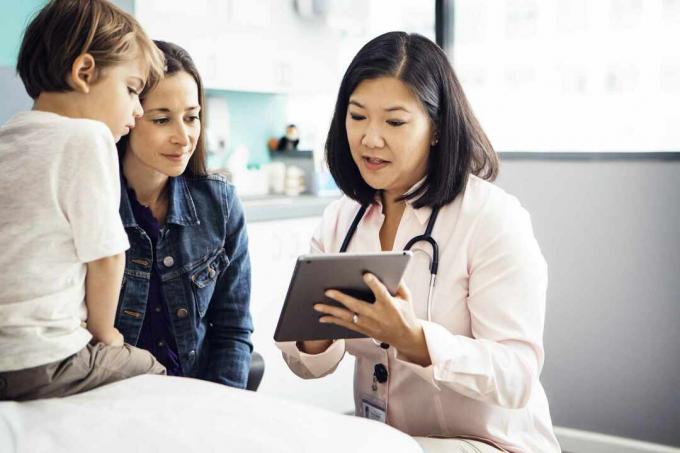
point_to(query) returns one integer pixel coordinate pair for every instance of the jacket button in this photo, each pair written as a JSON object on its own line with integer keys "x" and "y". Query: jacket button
{"x": 182, "y": 313}
{"x": 168, "y": 261}
{"x": 192, "y": 354}
{"x": 211, "y": 272}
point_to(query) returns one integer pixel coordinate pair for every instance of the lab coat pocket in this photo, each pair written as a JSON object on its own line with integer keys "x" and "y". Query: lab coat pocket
{"x": 204, "y": 278}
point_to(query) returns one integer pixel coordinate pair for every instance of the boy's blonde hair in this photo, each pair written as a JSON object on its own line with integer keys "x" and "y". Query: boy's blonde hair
{"x": 65, "y": 29}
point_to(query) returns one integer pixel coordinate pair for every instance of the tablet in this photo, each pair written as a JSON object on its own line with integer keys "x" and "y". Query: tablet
{"x": 314, "y": 274}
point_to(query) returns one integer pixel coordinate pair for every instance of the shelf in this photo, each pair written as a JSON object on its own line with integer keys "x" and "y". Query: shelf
{"x": 277, "y": 207}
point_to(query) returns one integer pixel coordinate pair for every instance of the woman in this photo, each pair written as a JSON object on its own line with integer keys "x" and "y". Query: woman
{"x": 186, "y": 288}
{"x": 463, "y": 361}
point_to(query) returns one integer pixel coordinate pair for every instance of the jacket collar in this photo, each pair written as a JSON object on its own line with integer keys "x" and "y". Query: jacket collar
{"x": 181, "y": 207}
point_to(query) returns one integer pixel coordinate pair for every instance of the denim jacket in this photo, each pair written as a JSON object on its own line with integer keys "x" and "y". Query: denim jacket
{"x": 204, "y": 267}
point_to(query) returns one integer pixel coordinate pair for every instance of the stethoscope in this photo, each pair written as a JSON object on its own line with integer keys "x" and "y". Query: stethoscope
{"x": 380, "y": 373}
{"x": 426, "y": 237}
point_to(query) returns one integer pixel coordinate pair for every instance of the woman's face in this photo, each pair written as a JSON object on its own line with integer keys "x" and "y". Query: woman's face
{"x": 165, "y": 137}
{"x": 389, "y": 134}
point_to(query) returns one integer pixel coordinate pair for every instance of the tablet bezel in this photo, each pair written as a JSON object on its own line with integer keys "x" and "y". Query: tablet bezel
{"x": 298, "y": 321}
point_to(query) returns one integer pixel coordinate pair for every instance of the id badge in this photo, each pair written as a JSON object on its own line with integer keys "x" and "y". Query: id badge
{"x": 373, "y": 410}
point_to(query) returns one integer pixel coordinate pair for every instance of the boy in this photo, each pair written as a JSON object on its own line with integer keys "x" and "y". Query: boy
{"x": 84, "y": 62}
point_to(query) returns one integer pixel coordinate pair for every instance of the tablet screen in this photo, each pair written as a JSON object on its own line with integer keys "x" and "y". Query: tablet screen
{"x": 314, "y": 274}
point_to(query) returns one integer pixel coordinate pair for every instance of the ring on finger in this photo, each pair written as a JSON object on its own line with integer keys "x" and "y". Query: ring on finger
{"x": 355, "y": 318}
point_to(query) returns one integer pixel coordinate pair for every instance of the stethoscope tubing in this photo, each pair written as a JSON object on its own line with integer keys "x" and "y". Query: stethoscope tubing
{"x": 425, "y": 237}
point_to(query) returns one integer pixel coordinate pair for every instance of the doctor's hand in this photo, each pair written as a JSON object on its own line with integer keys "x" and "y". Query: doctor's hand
{"x": 390, "y": 319}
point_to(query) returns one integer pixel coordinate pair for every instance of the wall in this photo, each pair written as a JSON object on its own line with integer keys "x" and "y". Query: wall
{"x": 13, "y": 20}
{"x": 609, "y": 231}
{"x": 14, "y": 17}
{"x": 253, "y": 118}
{"x": 12, "y": 93}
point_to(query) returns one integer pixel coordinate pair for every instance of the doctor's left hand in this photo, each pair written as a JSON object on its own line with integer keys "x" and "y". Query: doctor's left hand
{"x": 390, "y": 319}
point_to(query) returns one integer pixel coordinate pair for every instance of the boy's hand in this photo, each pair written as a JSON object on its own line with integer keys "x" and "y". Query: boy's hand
{"x": 111, "y": 338}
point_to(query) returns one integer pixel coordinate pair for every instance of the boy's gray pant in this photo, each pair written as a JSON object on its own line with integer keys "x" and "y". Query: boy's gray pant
{"x": 91, "y": 367}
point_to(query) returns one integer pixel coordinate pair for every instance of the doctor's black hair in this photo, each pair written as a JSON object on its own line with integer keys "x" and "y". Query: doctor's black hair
{"x": 461, "y": 145}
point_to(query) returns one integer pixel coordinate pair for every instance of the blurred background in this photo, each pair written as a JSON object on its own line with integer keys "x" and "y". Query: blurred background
{"x": 580, "y": 98}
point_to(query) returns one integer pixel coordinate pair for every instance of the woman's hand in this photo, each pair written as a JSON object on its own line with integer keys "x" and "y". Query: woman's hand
{"x": 390, "y": 319}
{"x": 314, "y": 346}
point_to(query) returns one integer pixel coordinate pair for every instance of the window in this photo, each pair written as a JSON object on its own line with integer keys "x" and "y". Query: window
{"x": 571, "y": 75}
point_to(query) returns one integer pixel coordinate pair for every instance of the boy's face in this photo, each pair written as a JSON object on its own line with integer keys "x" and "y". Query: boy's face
{"x": 114, "y": 97}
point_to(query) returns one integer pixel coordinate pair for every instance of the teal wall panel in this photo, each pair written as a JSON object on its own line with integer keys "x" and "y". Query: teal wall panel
{"x": 254, "y": 118}
{"x": 14, "y": 17}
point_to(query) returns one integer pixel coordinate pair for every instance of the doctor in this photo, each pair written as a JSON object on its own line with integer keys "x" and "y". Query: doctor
{"x": 456, "y": 364}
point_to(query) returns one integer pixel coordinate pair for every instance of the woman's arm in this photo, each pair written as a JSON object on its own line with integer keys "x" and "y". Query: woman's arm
{"x": 229, "y": 321}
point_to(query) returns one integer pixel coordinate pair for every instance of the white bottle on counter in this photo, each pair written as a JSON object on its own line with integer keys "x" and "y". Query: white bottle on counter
{"x": 295, "y": 181}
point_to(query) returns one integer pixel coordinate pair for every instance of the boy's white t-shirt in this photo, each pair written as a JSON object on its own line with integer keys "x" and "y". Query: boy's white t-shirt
{"x": 59, "y": 198}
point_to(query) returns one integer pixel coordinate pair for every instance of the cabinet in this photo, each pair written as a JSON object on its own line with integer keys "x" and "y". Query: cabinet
{"x": 274, "y": 247}
{"x": 245, "y": 45}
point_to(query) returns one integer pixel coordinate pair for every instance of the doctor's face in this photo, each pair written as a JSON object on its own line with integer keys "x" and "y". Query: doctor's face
{"x": 166, "y": 136}
{"x": 389, "y": 134}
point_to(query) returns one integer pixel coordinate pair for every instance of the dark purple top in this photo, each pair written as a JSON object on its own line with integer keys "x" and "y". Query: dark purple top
{"x": 156, "y": 335}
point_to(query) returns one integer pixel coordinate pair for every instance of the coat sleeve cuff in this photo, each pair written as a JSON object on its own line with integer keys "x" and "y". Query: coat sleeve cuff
{"x": 436, "y": 337}
{"x": 314, "y": 365}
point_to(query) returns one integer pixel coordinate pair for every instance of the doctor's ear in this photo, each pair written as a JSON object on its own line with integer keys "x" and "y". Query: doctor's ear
{"x": 83, "y": 73}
